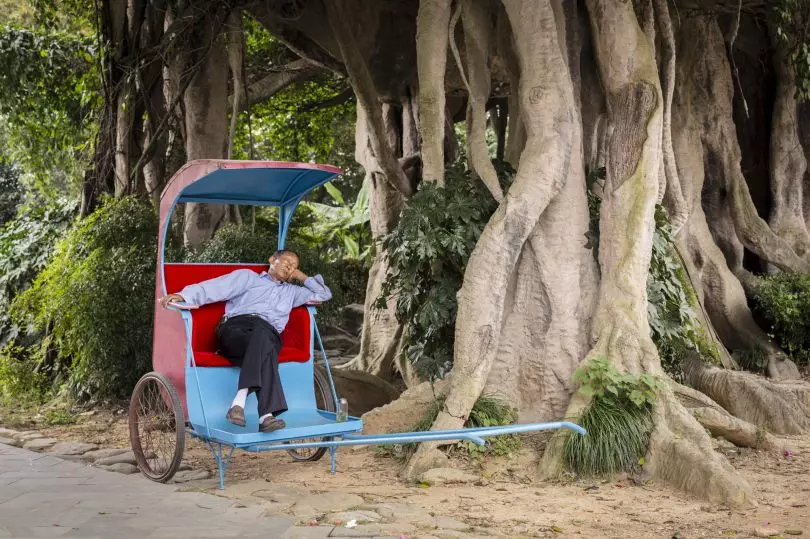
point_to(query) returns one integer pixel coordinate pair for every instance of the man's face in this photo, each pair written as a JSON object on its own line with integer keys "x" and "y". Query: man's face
{"x": 282, "y": 267}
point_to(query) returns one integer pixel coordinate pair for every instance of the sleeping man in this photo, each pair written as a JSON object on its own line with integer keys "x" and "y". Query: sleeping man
{"x": 257, "y": 309}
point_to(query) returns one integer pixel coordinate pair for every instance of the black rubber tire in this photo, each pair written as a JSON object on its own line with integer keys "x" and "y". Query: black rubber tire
{"x": 155, "y": 407}
{"x": 325, "y": 401}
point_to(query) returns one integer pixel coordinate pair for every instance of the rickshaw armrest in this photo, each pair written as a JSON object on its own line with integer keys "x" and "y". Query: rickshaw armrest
{"x": 181, "y": 306}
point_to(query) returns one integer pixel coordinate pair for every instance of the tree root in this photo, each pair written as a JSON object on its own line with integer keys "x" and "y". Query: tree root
{"x": 673, "y": 193}
{"x": 431, "y": 42}
{"x": 516, "y": 130}
{"x": 476, "y": 24}
{"x": 681, "y": 454}
{"x": 788, "y": 161}
{"x": 381, "y": 330}
{"x": 779, "y": 407}
{"x": 719, "y": 422}
{"x": 711, "y": 84}
{"x": 720, "y": 291}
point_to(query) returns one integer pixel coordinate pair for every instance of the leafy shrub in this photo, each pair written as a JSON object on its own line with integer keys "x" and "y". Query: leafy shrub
{"x": 791, "y": 20}
{"x": 48, "y": 92}
{"x": 671, "y": 304}
{"x": 233, "y": 243}
{"x": 782, "y": 302}
{"x": 95, "y": 298}
{"x": 26, "y": 245}
{"x": 618, "y": 420}
{"x": 427, "y": 254}
{"x": 344, "y": 227}
{"x": 10, "y": 191}
{"x": 19, "y": 376}
{"x": 599, "y": 379}
{"x": 671, "y": 300}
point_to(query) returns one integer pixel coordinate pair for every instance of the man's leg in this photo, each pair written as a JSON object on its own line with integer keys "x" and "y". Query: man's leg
{"x": 259, "y": 345}
{"x": 233, "y": 337}
{"x": 271, "y": 393}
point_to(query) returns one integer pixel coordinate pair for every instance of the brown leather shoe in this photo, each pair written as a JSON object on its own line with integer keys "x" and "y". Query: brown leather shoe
{"x": 271, "y": 423}
{"x": 236, "y": 416}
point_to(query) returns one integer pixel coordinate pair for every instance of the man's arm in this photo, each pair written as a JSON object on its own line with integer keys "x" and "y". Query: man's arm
{"x": 218, "y": 289}
{"x": 314, "y": 289}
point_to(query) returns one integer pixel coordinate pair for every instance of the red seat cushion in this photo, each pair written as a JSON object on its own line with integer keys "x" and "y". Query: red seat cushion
{"x": 295, "y": 339}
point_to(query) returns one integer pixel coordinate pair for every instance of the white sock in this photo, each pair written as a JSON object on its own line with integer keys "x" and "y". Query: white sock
{"x": 239, "y": 400}
{"x": 262, "y": 418}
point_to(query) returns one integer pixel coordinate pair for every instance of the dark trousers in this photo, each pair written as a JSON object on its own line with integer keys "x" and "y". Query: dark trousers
{"x": 252, "y": 344}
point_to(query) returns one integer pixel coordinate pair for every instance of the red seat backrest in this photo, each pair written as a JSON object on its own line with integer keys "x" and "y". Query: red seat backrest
{"x": 295, "y": 339}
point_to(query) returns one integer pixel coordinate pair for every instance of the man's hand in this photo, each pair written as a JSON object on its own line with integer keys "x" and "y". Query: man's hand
{"x": 298, "y": 275}
{"x": 171, "y": 298}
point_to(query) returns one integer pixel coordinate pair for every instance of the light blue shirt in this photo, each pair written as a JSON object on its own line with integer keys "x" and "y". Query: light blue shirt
{"x": 248, "y": 292}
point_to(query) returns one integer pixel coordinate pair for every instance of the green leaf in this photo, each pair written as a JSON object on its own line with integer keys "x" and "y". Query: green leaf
{"x": 335, "y": 193}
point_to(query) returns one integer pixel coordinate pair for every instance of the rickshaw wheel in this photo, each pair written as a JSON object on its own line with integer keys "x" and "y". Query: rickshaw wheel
{"x": 324, "y": 401}
{"x": 156, "y": 427}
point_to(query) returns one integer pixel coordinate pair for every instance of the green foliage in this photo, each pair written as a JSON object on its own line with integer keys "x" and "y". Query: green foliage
{"x": 618, "y": 419}
{"x": 311, "y": 120}
{"x": 490, "y": 412}
{"x": 598, "y": 378}
{"x": 782, "y": 302}
{"x": 617, "y": 439}
{"x": 11, "y": 193}
{"x": 293, "y": 126}
{"x": 20, "y": 379}
{"x": 486, "y": 412}
{"x": 26, "y": 244}
{"x": 95, "y": 298}
{"x": 752, "y": 359}
{"x": 58, "y": 416}
{"x": 427, "y": 254}
{"x": 346, "y": 224}
{"x": 671, "y": 300}
{"x": 48, "y": 91}
{"x": 234, "y": 243}
{"x": 792, "y": 23}
{"x": 594, "y": 177}
{"x": 16, "y": 12}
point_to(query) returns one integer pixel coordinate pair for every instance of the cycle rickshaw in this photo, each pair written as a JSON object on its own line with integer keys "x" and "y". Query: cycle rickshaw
{"x": 191, "y": 386}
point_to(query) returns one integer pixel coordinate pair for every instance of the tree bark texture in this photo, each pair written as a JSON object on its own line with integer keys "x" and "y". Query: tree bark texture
{"x": 206, "y": 132}
{"x": 548, "y": 112}
{"x": 431, "y": 53}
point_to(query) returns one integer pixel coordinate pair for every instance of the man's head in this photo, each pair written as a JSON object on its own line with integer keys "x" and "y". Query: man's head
{"x": 283, "y": 265}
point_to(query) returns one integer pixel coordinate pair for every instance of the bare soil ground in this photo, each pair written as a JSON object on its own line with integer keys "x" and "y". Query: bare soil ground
{"x": 508, "y": 500}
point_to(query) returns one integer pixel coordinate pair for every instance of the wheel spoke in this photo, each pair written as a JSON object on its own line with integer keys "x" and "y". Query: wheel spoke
{"x": 157, "y": 435}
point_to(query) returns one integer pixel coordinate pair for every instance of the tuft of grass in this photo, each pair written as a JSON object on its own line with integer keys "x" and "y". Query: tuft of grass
{"x": 617, "y": 439}
{"x": 486, "y": 412}
{"x": 59, "y": 416}
{"x": 752, "y": 359}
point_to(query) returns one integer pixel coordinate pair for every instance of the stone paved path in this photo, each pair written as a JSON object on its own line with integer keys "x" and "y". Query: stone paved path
{"x": 44, "y": 496}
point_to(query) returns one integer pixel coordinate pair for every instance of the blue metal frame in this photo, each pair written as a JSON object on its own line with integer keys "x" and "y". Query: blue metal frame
{"x": 332, "y": 439}
{"x": 333, "y": 434}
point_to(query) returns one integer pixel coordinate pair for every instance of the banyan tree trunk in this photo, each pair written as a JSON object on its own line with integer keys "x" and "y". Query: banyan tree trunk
{"x": 544, "y": 211}
{"x": 680, "y": 451}
{"x": 206, "y": 132}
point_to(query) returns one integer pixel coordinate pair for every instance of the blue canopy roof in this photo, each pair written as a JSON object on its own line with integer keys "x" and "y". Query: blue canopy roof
{"x": 267, "y": 184}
